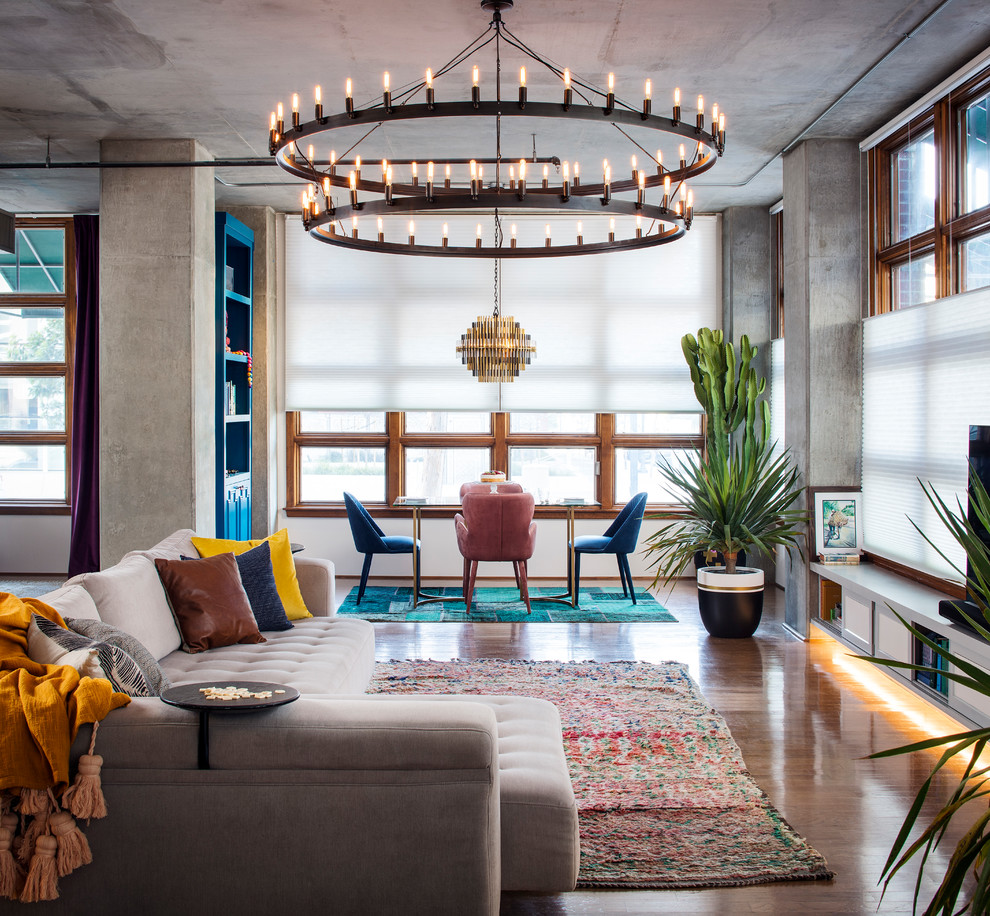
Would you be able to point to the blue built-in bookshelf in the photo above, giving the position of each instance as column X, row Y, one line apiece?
column 234, row 298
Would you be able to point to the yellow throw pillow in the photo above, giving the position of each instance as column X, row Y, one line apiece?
column 282, row 565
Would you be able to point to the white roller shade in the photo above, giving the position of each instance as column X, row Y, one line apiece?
column 926, row 378
column 777, row 412
column 367, row 331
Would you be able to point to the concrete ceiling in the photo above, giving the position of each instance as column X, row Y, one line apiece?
column 75, row 72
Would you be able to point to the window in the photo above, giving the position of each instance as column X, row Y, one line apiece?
column 606, row 458
column 37, row 316
column 930, row 202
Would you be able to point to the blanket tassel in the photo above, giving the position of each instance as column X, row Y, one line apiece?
column 73, row 848
column 10, row 872
column 42, row 883
column 37, row 826
column 84, row 798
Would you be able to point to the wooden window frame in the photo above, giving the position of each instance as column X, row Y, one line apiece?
column 952, row 226
column 67, row 301
column 498, row 440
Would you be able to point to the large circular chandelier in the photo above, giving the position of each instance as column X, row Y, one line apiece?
column 345, row 205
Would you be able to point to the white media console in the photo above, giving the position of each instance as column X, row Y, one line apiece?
column 854, row 606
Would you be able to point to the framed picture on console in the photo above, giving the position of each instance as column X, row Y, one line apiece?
column 838, row 522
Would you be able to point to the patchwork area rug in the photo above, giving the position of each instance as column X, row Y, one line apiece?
column 502, row 605
column 663, row 795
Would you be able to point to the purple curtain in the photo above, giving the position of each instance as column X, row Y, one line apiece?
column 84, row 544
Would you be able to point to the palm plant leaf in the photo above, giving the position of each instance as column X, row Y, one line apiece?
column 972, row 852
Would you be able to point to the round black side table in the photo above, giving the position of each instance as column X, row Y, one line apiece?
column 190, row 696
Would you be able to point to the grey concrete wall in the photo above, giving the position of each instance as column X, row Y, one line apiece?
column 264, row 476
column 156, row 346
column 823, row 266
column 747, row 297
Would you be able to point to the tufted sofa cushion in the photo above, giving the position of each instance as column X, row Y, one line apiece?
column 318, row 655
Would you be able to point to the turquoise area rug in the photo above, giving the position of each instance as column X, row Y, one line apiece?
column 502, row 605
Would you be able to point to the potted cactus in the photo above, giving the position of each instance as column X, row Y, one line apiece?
column 738, row 495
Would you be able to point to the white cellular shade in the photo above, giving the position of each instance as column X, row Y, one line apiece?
column 368, row 331
column 926, row 378
column 777, row 412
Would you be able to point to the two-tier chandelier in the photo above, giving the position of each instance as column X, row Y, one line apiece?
column 346, row 205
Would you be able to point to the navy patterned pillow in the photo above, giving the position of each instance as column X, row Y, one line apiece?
column 114, row 636
column 118, row 667
column 258, row 579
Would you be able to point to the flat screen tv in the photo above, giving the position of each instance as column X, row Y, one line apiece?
column 979, row 459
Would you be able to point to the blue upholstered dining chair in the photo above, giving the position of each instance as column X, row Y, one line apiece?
column 369, row 539
column 620, row 539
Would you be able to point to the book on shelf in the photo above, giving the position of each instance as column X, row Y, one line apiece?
column 840, row 559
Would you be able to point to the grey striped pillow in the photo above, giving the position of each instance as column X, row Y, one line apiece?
column 118, row 667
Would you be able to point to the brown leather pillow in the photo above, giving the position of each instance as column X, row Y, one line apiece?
column 208, row 600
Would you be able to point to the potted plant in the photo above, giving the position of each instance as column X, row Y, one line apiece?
column 737, row 495
column 970, row 858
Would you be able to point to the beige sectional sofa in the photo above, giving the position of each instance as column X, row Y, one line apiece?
column 338, row 803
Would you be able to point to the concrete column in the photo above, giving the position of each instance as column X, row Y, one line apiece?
column 746, row 290
column 747, row 298
column 823, row 267
column 264, row 477
column 157, row 442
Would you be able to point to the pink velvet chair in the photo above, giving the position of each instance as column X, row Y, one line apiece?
column 494, row 527
column 504, row 486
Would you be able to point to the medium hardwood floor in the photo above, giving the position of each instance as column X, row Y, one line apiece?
column 805, row 715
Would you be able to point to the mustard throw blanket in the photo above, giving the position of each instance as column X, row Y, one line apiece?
column 41, row 706
column 41, row 709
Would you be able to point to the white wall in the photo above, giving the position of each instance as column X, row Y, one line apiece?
column 34, row 544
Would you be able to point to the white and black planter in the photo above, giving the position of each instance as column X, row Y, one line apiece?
column 731, row 604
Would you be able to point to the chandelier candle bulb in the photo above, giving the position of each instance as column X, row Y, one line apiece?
column 386, row 92
column 311, row 154
column 446, row 176
column 279, row 121
column 477, row 240
column 512, row 241
column 659, row 162
column 272, row 134
column 348, row 99
column 610, row 98
column 568, row 93
column 681, row 154
column 611, row 229
column 412, row 232
column 690, row 206
column 512, row 177
column 384, row 169
column 548, row 236
column 641, row 192
column 290, row 151
column 318, row 107
column 443, row 240
column 634, row 170
column 577, row 174
column 639, row 226
column 721, row 131
column 357, row 167
column 429, row 180
column 677, row 107
column 333, row 162
column 354, row 228
column 607, row 186
column 567, row 181
column 474, row 178
column 295, row 111
column 352, row 178
column 580, row 236
column 522, row 178
column 522, row 87
column 430, row 98
column 666, row 192
column 546, row 177
column 475, row 89
column 381, row 231
column 388, row 186
column 701, row 113
column 647, row 99
column 415, row 174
